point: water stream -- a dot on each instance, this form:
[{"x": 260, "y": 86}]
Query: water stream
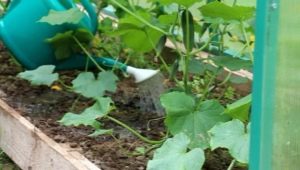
[{"x": 149, "y": 93}]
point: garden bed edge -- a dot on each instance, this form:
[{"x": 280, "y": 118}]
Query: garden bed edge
[{"x": 31, "y": 149}]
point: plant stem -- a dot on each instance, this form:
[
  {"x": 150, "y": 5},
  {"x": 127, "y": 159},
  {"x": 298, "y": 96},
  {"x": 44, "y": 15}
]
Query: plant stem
[
  {"x": 194, "y": 52},
  {"x": 240, "y": 51},
  {"x": 221, "y": 46},
  {"x": 140, "y": 18},
  {"x": 87, "y": 63},
  {"x": 227, "y": 78},
  {"x": 149, "y": 122},
  {"x": 64, "y": 85},
  {"x": 247, "y": 40},
  {"x": 75, "y": 103},
  {"x": 234, "y": 2},
  {"x": 151, "y": 149},
  {"x": 188, "y": 53},
  {"x": 88, "y": 54},
  {"x": 186, "y": 73},
  {"x": 135, "y": 132},
  {"x": 206, "y": 89},
  {"x": 158, "y": 53},
  {"x": 231, "y": 165},
  {"x": 132, "y": 4}
]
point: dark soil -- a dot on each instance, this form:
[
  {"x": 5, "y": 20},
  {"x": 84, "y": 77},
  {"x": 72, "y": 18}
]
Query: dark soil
[{"x": 44, "y": 107}]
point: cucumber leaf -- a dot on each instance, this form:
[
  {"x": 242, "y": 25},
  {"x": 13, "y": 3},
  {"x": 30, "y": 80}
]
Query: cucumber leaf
[
  {"x": 185, "y": 3},
  {"x": 174, "y": 155},
  {"x": 233, "y": 136},
  {"x": 240, "y": 109},
  {"x": 43, "y": 75},
  {"x": 88, "y": 85},
  {"x": 70, "y": 16},
  {"x": 88, "y": 117},
  {"x": 183, "y": 116},
  {"x": 221, "y": 12}
]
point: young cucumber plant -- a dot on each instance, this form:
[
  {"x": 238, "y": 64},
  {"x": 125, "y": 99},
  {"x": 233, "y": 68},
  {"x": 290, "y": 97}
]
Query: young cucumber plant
[
  {"x": 88, "y": 86},
  {"x": 221, "y": 29},
  {"x": 86, "y": 83},
  {"x": 218, "y": 28}
]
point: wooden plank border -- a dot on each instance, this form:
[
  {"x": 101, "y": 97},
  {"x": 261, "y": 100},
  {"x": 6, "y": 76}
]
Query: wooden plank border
[{"x": 31, "y": 149}]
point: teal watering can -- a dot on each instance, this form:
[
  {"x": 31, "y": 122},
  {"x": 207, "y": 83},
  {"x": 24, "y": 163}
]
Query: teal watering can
[{"x": 25, "y": 37}]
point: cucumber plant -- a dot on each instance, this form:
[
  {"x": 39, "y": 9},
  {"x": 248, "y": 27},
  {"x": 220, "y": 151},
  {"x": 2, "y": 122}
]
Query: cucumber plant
[{"x": 223, "y": 29}]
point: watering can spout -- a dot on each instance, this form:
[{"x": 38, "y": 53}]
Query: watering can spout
[
  {"x": 79, "y": 61},
  {"x": 141, "y": 75}
]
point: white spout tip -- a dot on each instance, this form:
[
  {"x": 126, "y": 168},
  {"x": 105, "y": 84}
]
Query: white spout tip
[{"x": 141, "y": 75}]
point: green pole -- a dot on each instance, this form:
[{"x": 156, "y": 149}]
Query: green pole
[
  {"x": 264, "y": 85},
  {"x": 275, "y": 134}
]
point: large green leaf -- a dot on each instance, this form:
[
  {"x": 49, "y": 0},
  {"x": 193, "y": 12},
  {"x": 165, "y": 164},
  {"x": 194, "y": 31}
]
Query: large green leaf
[
  {"x": 62, "y": 43},
  {"x": 178, "y": 103},
  {"x": 89, "y": 86},
  {"x": 232, "y": 135},
  {"x": 168, "y": 20},
  {"x": 140, "y": 40},
  {"x": 197, "y": 66},
  {"x": 232, "y": 63},
  {"x": 185, "y": 3},
  {"x": 235, "y": 43},
  {"x": 242, "y": 3},
  {"x": 43, "y": 75},
  {"x": 240, "y": 109},
  {"x": 183, "y": 116},
  {"x": 65, "y": 45},
  {"x": 174, "y": 155},
  {"x": 88, "y": 117},
  {"x": 72, "y": 16},
  {"x": 136, "y": 34},
  {"x": 219, "y": 10}
]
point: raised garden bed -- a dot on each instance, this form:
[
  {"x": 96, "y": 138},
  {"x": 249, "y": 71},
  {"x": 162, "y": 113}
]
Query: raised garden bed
[
  {"x": 119, "y": 124},
  {"x": 31, "y": 113}
]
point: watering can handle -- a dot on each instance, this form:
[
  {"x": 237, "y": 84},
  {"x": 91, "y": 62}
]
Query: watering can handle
[
  {"x": 88, "y": 7},
  {"x": 92, "y": 13}
]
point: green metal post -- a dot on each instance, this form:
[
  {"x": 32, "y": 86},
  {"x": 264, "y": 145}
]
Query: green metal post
[
  {"x": 263, "y": 91},
  {"x": 275, "y": 134}
]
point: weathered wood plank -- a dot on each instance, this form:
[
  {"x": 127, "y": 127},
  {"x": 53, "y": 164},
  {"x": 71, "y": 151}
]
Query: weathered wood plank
[{"x": 33, "y": 150}]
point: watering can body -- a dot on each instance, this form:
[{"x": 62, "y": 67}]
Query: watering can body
[{"x": 25, "y": 37}]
